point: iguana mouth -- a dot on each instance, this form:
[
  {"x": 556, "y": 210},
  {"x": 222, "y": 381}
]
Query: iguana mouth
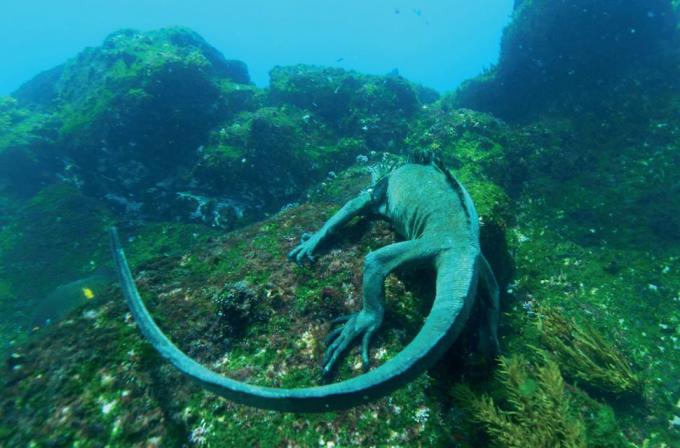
[{"x": 456, "y": 283}]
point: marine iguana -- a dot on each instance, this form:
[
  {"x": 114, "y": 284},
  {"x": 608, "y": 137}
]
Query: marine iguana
[{"x": 434, "y": 213}]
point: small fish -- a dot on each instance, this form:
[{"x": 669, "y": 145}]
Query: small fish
[
  {"x": 397, "y": 11},
  {"x": 339, "y": 59},
  {"x": 88, "y": 293},
  {"x": 67, "y": 297}
]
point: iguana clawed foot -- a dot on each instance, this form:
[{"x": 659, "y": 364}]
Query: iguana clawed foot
[
  {"x": 306, "y": 248},
  {"x": 363, "y": 322}
]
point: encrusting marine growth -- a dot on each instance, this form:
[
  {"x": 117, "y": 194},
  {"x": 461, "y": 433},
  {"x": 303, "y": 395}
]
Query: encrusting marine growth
[{"x": 437, "y": 218}]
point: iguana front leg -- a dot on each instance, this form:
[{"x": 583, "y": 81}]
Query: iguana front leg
[
  {"x": 377, "y": 266},
  {"x": 309, "y": 243}
]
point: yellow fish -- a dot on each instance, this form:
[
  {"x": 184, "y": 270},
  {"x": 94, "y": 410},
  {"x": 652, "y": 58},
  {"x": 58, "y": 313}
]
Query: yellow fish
[
  {"x": 67, "y": 297},
  {"x": 87, "y": 292}
]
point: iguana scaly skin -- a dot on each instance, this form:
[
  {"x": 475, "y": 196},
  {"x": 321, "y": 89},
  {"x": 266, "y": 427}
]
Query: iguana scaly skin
[{"x": 435, "y": 215}]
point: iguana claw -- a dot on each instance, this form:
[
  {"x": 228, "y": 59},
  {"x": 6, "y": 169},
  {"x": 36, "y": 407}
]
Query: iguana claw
[
  {"x": 304, "y": 250},
  {"x": 340, "y": 339}
]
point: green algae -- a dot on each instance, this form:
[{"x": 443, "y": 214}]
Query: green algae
[
  {"x": 406, "y": 419},
  {"x": 603, "y": 430},
  {"x": 375, "y": 109},
  {"x": 600, "y": 46},
  {"x": 539, "y": 411},
  {"x": 586, "y": 354},
  {"x": 165, "y": 239},
  {"x": 44, "y": 231},
  {"x": 536, "y": 407},
  {"x": 19, "y": 127},
  {"x": 111, "y": 107},
  {"x": 26, "y": 148}
]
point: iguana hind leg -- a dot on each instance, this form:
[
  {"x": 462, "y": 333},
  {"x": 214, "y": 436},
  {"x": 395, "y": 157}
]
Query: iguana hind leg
[
  {"x": 377, "y": 266},
  {"x": 488, "y": 332}
]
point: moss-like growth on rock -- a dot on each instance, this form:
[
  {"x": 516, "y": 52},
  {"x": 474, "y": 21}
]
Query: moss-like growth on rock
[
  {"x": 268, "y": 157},
  {"x": 134, "y": 111},
  {"x": 476, "y": 145},
  {"x": 563, "y": 56},
  {"x": 27, "y": 149},
  {"x": 57, "y": 233},
  {"x": 375, "y": 108}
]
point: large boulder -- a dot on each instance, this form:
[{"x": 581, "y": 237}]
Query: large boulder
[
  {"x": 28, "y": 156},
  {"x": 571, "y": 55},
  {"x": 374, "y": 108},
  {"x": 266, "y": 158},
  {"x": 134, "y": 111}
]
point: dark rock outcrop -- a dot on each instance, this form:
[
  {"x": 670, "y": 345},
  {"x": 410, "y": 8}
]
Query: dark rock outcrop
[{"x": 569, "y": 56}]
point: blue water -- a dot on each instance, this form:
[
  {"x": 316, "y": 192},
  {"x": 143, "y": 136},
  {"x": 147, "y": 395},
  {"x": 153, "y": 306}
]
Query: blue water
[{"x": 438, "y": 43}]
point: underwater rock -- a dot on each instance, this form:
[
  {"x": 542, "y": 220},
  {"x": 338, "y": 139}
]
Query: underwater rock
[
  {"x": 28, "y": 155},
  {"x": 51, "y": 238},
  {"x": 375, "y": 108},
  {"x": 223, "y": 213},
  {"x": 566, "y": 56},
  {"x": 476, "y": 143},
  {"x": 236, "y": 308},
  {"x": 266, "y": 158},
  {"x": 133, "y": 111},
  {"x": 122, "y": 112},
  {"x": 123, "y": 56}
]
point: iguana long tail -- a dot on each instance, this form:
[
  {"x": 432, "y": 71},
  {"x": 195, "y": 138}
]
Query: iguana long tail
[{"x": 456, "y": 287}]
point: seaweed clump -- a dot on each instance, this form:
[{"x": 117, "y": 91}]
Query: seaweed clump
[
  {"x": 586, "y": 355},
  {"x": 538, "y": 411}
]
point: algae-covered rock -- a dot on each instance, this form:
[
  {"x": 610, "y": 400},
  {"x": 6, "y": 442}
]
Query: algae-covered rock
[
  {"x": 566, "y": 56},
  {"x": 134, "y": 111},
  {"x": 265, "y": 159},
  {"x": 48, "y": 241},
  {"x": 375, "y": 108},
  {"x": 476, "y": 145},
  {"x": 28, "y": 157}
]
